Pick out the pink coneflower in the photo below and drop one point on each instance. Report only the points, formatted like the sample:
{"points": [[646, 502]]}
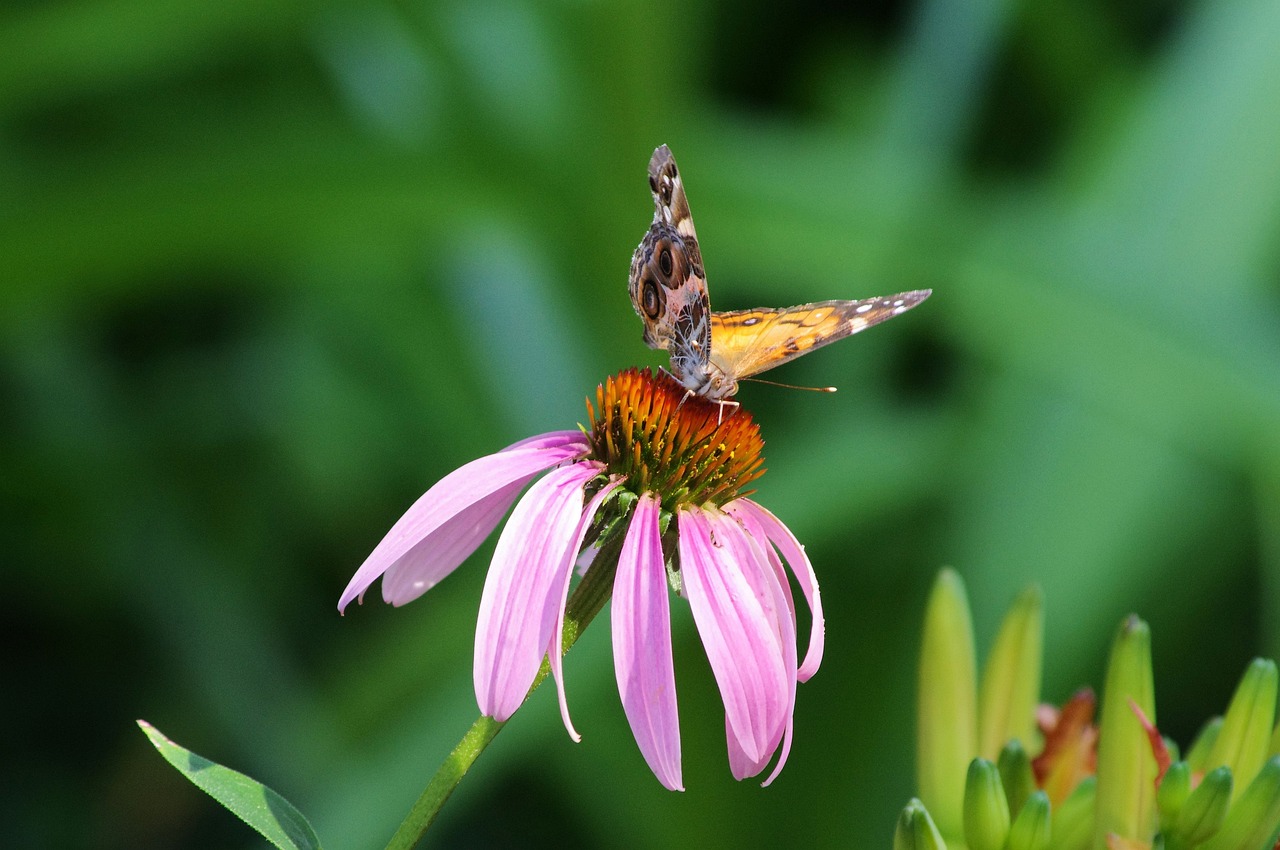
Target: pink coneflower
{"points": [[655, 489]]}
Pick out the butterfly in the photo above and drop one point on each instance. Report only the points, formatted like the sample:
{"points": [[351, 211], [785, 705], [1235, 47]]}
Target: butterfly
{"points": [[712, 352]]}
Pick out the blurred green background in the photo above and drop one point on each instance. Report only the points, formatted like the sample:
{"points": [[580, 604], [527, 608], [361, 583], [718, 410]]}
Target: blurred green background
{"points": [[269, 269]]}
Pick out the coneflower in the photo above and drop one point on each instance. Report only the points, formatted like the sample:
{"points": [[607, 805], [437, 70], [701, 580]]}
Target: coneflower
{"points": [[654, 488]]}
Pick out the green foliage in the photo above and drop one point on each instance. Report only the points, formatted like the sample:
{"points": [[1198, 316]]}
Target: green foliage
{"points": [[268, 270], [272, 816]]}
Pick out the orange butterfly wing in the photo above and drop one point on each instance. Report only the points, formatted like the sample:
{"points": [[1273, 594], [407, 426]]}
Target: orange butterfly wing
{"points": [[748, 342]]}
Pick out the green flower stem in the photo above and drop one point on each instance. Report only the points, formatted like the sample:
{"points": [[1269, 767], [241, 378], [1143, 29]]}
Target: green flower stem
{"points": [[586, 601], [441, 786]]}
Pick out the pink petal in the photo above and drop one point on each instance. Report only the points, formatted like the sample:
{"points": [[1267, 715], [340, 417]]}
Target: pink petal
{"points": [[555, 650], [735, 599], [520, 603], [450, 520], [782, 757], [794, 554], [742, 767], [443, 550], [642, 645], [739, 764]]}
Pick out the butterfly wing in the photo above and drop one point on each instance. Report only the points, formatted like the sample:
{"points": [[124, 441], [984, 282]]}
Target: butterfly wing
{"points": [[671, 205], [668, 285], [748, 342]]}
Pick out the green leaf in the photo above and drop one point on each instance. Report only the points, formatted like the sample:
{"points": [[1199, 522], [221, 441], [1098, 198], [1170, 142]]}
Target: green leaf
{"points": [[271, 815]]}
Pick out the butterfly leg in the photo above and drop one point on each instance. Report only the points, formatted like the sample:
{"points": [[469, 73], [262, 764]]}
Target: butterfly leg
{"points": [[664, 371], [725, 402]]}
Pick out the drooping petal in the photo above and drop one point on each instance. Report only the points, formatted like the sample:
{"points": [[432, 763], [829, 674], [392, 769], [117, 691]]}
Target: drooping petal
{"points": [[450, 520], [520, 602], [555, 651], [757, 535], [739, 764], [742, 767], [793, 553], [642, 645], [727, 579], [785, 623]]}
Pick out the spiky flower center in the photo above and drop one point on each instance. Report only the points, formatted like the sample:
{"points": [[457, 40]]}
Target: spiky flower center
{"points": [[683, 448]]}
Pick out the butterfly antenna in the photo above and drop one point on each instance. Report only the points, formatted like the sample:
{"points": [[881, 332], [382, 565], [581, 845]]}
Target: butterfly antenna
{"points": [[791, 386]]}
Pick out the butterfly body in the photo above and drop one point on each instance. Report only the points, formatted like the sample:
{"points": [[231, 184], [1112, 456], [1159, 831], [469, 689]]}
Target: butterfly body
{"points": [[711, 352]]}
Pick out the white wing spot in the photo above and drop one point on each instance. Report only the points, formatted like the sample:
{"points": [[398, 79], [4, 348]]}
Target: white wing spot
{"points": [[856, 325], [864, 308], [898, 303]]}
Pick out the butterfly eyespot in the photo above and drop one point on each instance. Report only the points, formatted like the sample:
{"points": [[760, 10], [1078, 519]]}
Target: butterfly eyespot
{"points": [[664, 262], [651, 298]]}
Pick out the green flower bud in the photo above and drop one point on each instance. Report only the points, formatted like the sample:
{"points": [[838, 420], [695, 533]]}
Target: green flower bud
{"points": [[916, 830], [986, 811], [1031, 829], [1073, 820], [1205, 808], [1254, 819], [1016, 775], [1126, 765], [1011, 678], [1202, 746], [947, 707], [1173, 791], [1246, 727]]}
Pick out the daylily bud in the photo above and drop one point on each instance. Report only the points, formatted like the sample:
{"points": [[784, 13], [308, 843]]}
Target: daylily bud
{"points": [[1246, 727], [1202, 747], [1126, 766], [986, 811], [916, 830], [1011, 678], [1205, 808], [1031, 829], [1255, 817], [947, 702], [1173, 791], [1073, 820], [1016, 775]]}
